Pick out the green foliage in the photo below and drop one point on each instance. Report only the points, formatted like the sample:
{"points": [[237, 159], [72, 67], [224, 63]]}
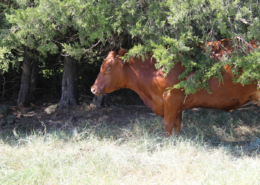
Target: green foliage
{"points": [[170, 29], [137, 51], [4, 62], [7, 59], [251, 68]]}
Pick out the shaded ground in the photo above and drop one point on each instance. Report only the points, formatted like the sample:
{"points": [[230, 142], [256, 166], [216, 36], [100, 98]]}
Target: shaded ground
{"points": [[123, 110], [240, 128]]}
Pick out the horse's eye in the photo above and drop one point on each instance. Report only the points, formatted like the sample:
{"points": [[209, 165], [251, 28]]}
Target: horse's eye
{"points": [[108, 70]]}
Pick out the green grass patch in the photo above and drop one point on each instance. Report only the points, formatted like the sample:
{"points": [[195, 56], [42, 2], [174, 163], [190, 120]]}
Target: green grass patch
{"points": [[214, 148]]}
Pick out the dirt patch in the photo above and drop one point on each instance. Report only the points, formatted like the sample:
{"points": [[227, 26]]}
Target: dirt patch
{"points": [[121, 112]]}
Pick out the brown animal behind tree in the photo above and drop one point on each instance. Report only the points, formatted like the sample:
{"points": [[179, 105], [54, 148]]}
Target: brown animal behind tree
{"points": [[151, 85]]}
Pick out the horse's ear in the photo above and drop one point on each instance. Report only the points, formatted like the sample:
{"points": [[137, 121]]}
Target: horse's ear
{"points": [[122, 52]]}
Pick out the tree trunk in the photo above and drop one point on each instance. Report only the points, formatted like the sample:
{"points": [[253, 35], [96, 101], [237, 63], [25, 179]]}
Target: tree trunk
{"points": [[29, 76], [2, 85], [101, 101], [69, 83], [34, 75]]}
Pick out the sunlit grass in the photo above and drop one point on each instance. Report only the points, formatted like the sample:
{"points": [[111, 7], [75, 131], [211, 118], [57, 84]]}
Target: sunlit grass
{"points": [[207, 152]]}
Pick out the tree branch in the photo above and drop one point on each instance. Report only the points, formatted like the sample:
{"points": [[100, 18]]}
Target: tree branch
{"points": [[241, 39], [245, 21], [92, 46]]}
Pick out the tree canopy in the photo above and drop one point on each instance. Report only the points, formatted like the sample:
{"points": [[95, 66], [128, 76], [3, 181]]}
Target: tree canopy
{"points": [[171, 30]]}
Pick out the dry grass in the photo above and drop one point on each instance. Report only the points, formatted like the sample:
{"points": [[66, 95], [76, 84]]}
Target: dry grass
{"points": [[214, 148]]}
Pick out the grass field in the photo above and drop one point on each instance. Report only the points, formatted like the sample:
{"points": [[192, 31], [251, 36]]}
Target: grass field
{"points": [[215, 148]]}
